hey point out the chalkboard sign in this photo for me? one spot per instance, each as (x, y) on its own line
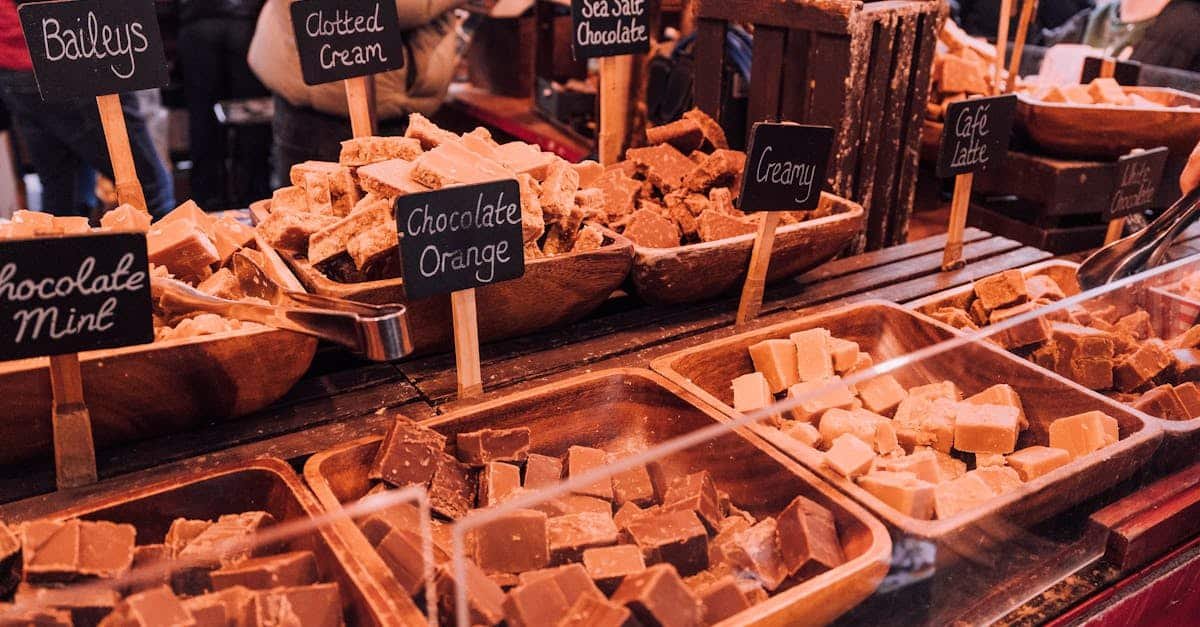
(1138, 176)
(340, 39)
(63, 295)
(460, 238)
(608, 28)
(1125, 72)
(976, 134)
(86, 48)
(786, 167)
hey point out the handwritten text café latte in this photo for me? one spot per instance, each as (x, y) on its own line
(976, 134)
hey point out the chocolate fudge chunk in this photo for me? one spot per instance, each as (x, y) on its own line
(493, 445)
(658, 596)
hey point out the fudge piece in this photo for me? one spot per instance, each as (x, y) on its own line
(960, 75)
(62, 551)
(542, 471)
(403, 553)
(946, 390)
(330, 186)
(86, 605)
(698, 493)
(182, 248)
(902, 491)
(1083, 433)
(453, 164)
(803, 432)
(451, 489)
(498, 481)
(633, 486)
(426, 132)
(391, 178)
(926, 421)
(812, 348)
(512, 543)
(227, 541)
(723, 599)
(591, 611)
(849, 456)
(720, 169)
(408, 454)
(815, 398)
(572, 580)
(713, 225)
(581, 460)
(589, 239)
(485, 599)
(157, 606)
(493, 445)
(1001, 394)
(332, 240)
(882, 394)
(808, 538)
(218, 609)
(1001, 290)
(676, 537)
(570, 535)
(922, 464)
(860, 423)
(955, 317)
(713, 133)
(658, 596)
(10, 561)
(1142, 366)
(608, 566)
(298, 568)
(1024, 334)
(684, 134)
(620, 193)
(291, 230)
(663, 165)
(1035, 461)
(1108, 91)
(1186, 364)
(1163, 402)
(776, 359)
(126, 218)
(999, 479)
(757, 550)
(959, 495)
(648, 229)
(1040, 286)
(986, 428)
(751, 392)
(1189, 395)
(373, 244)
(318, 605)
(844, 354)
(362, 151)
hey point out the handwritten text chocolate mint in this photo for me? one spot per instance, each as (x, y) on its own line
(786, 166)
(608, 28)
(340, 39)
(976, 134)
(460, 238)
(85, 48)
(69, 294)
(1138, 176)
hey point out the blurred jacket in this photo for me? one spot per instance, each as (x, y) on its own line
(431, 58)
(981, 17)
(1171, 40)
(192, 10)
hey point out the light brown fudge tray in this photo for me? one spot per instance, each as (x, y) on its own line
(266, 484)
(630, 410)
(887, 331)
(555, 291)
(696, 272)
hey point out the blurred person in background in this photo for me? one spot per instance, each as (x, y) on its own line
(1165, 33)
(214, 38)
(312, 121)
(65, 140)
(982, 17)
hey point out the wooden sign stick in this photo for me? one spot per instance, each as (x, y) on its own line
(1028, 8)
(756, 276)
(74, 451)
(112, 118)
(1001, 44)
(361, 121)
(615, 74)
(1116, 226)
(466, 343)
(952, 258)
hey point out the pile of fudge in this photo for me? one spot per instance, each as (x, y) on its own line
(681, 187)
(926, 451)
(1102, 348)
(642, 548)
(187, 244)
(75, 573)
(339, 216)
(962, 68)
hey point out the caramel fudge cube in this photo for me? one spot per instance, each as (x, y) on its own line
(1022, 334)
(850, 456)
(961, 494)
(1000, 479)
(940, 390)
(1001, 290)
(886, 440)
(1140, 368)
(684, 134)
(1108, 91)
(776, 360)
(808, 538)
(803, 432)
(814, 358)
(1001, 394)
(751, 392)
(922, 421)
(922, 464)
(580, 460)
(648, 229)
(844, 354)
(1040, 286)
(1163, 402)
(1083, 433)
(986, 428)
(1035, 461)
(861, 424)
(955, 317)
(1136, 324)
(1189, 395)
(882, 394)
(815, 397)
(902, 491)
(713, 225)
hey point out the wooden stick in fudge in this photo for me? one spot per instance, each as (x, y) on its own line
(359, 97)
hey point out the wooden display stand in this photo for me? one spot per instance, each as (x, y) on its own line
(865, 70)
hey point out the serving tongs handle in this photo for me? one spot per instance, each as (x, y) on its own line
(379, 333)
(1145, 249)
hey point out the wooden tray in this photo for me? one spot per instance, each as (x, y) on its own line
(1109, 131)
(268, 485)
(1063, 273)
(696, 272)
(887, 331)
(631, 410)
(554, 291)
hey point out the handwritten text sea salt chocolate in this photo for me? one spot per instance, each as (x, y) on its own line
(608, 28)
(976, 134)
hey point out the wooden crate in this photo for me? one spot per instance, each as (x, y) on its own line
(863, 69)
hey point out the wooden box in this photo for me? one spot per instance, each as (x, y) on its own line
(1098, 131)
(630, 411)
(888, 331)
(268, 485)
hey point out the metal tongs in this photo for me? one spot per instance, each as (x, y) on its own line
(1143, 250)
(378, 332)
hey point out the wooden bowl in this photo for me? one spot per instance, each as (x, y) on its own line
(1107, 131)
(888, 331)
(268, 485)
(554, 291)
(629, 411)
(1063, 273)
(696, 272)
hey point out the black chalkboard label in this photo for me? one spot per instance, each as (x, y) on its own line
(1125, 72)
(340, 39)
(976, 134)
(1138, 176)
(85, 48)
(608, 28)
(460, 238)
(786, 167)
(63, 295)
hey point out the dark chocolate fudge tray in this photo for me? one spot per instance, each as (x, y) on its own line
(887, 331)
(267, 485)
(625, 412)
